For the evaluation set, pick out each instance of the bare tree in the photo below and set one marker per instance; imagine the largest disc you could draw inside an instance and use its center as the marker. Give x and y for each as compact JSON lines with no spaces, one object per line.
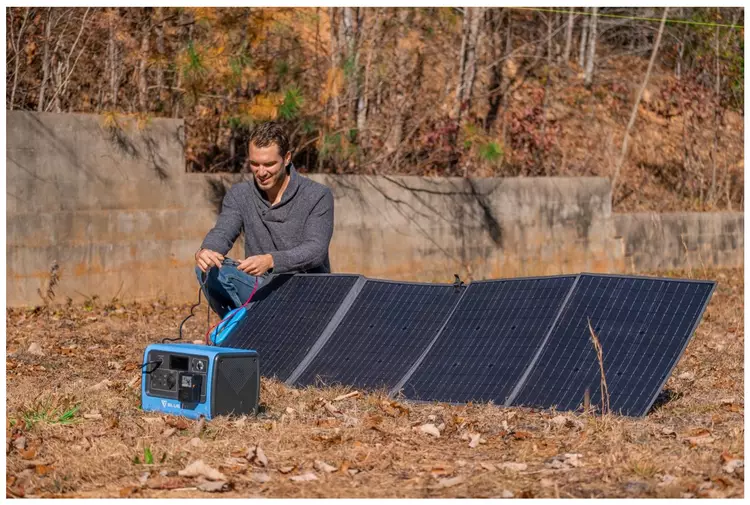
{"x":468,"y":60}
{"x":143,"y":61}
{"x":634,"y":112}
{"x":568,"y":36}
{"x":589,"y":73}
{"x":45,"y":60}
{"x":495,"y":18}
{"x":17,"y":50}
{"x":400,"y":83}
{"x":584,"y":38}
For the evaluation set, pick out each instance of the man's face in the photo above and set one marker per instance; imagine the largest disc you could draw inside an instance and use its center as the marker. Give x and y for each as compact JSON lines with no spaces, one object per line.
{"x":269,"y":168}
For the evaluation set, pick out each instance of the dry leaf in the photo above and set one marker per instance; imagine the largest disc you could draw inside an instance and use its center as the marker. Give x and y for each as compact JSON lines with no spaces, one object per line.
{"x":445,"y":483}
{"x":177,"y":422}
{"x":487,"y":466}
{"x":169,"y":432}
{"x":256,"y":455}
{"x":43,"y":469}
{"x":29,"y":453}
{"x":304,"y":477}
{"x":195,"y":442}
{"x":127,"y":491}
{"x":199,"y":468}
{"x":474,"y":440}
{"x":20,"y":443}
{"x":100,"y":386}
{"x":507,"y":494}
{"x":322,"y":466}
{"x":286,"y":469}
{"x":260,"y":478}
{"x":429,"y":429}
{"x":686,"y":376}
{"x":441,"y":471}
{"x":521,"y":435}
{"x":35,"y":349}
{"x":733,"y":465}
{"x":290,"y":411}
{"x":214,"y":486}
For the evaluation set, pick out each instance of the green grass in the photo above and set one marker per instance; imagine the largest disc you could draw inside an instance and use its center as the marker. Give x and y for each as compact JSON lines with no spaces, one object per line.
{"x":46,"y":413}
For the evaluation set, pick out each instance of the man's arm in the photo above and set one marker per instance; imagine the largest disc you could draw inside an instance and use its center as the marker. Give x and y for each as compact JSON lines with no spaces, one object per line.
{"x":228,"y":227}
{"x":315,"y":240}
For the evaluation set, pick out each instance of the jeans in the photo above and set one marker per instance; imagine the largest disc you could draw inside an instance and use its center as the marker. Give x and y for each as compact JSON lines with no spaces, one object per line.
{"x":227,"y":288}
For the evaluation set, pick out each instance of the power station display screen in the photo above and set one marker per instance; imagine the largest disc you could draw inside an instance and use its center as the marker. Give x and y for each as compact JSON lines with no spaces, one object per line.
{"x":179,"y":362}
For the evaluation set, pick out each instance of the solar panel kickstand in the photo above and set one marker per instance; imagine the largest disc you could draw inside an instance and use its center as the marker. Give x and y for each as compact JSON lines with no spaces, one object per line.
{"x":532,"y":364}
{"x":421,"y":358}
{"x":328,"y":331}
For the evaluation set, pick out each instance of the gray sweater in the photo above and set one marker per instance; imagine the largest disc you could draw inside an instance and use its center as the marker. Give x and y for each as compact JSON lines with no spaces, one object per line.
{"x":296,"y":232}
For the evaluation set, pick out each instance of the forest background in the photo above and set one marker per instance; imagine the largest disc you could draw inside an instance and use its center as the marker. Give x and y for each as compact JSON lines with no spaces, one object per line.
{"x":650,"y":97}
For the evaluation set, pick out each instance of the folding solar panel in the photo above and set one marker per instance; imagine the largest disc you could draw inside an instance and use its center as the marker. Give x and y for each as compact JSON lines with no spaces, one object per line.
{"x":643,"y":326}
{"x":489,"y":340}
{"x":287,"y":317}
{"x":386,"y":329}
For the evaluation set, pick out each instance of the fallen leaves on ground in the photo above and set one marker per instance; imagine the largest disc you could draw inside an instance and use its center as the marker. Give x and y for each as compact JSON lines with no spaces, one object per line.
{"x":199,"y":468}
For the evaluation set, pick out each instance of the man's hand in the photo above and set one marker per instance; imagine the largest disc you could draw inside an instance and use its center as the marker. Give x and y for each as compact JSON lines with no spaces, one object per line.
{"x":256,"y":265}
{"x":206,"y":258}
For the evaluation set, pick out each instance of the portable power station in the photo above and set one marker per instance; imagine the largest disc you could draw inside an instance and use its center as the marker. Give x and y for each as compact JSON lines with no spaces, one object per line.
{"x":198,"y":380}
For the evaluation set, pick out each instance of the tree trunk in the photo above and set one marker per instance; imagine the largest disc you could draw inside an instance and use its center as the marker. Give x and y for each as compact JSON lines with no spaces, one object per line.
{"x":352,"y":31}
{"x":634,"y":112}
{"x":335,"y":62}
{"x":494,"y":95}
{"x":161,"y":93}
{"x":506,"y":86}
{"x":45,"y":60}
{"x":143,"y":63}
{"x":584,"y":37}
{"x":114,"y":79}
{"x":468,"y":60}
{"x":402,"y":60}
{"x":568,"y":36}
{"x":589,"y":74}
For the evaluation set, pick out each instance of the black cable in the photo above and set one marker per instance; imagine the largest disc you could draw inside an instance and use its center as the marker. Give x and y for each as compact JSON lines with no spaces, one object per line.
{"x":157,"y":363}
{"x":200,"y":290}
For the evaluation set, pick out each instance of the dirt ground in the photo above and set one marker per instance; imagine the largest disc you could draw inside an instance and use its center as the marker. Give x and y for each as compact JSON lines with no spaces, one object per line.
{"x":75,"y":429}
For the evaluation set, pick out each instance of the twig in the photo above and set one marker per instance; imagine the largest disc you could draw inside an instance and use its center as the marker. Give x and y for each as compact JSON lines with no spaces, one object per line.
{"x":603,"y":379}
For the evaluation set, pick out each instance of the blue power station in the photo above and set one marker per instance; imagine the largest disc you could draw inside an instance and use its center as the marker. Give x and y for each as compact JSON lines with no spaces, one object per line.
{"x":199,"y":380}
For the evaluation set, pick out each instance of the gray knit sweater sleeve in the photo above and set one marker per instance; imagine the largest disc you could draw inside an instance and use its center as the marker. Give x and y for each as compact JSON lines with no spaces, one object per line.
{"x":228,"y":226}
{"x":313,"y":248}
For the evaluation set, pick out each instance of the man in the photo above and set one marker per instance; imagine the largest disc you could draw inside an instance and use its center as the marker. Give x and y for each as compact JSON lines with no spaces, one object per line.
{"x":287,"y":220}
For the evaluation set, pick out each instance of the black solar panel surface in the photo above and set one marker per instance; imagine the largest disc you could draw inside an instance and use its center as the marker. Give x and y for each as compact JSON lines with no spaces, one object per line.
{"x":643,"y":326}
{"x":489,"y":340}
{"x":289,"y":315}
{"x":382,"y":335}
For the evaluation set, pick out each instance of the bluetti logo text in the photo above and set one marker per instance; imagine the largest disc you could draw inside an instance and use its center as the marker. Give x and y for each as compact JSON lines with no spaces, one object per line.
{"x":165,"y":404}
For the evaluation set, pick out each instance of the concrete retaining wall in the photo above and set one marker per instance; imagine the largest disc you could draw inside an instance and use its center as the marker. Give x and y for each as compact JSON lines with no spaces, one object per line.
{"x":111,"y":204}
{"x":681,"y":240}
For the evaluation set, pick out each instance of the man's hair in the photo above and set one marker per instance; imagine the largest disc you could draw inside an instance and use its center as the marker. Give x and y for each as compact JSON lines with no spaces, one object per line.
{"x":269,"y":133}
